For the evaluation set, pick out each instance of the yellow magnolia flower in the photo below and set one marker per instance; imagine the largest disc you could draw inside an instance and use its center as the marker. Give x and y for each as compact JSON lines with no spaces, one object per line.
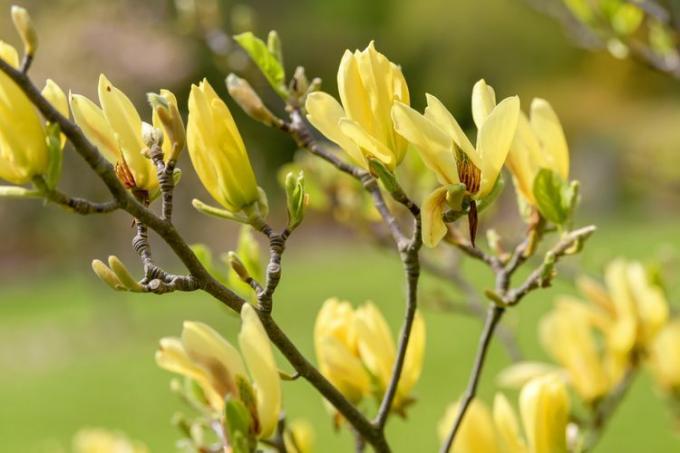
{"x":539,"y":143}
{"x":378,"y":352}
{"x":567,"y":334}
{"x":23,"y":148}
{"x":116,"y":130}
{"x":299,"y":436}
{"x":448,"y":152}
{"x":544,"y":406}
{"x":368,"y":84}
{"x":98,"y":440}
{"x":544,"y":409}
{"x":217,"y":151}
{"x":664,"y":357}
{"x":335,"y":341}
{"x":204,"y":356}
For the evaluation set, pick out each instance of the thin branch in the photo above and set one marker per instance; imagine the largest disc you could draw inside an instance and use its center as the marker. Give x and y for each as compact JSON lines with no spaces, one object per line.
{"x":169,"y":234}
{"x":77,"y":205}
{"x":166,"y":181}
{"x":505,"y":297}
{"x":411,"y":263}
{"x":494,"y":315}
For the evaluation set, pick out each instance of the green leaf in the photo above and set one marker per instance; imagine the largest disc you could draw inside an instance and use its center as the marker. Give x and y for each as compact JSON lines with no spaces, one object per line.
{"x":54,"y":155}
{"x":488,"y":200}
{"x":238,"y":426}
{"x":268,"y":61}
{"x":548,"y":192}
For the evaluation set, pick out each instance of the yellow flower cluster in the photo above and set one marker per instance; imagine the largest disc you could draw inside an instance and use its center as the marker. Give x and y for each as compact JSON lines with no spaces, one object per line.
{"x":375,"y":121}
{"x":356,"y":352}
{"x":544,"y":410}
{"x":204,"y":356}
{"x":623,"y":325}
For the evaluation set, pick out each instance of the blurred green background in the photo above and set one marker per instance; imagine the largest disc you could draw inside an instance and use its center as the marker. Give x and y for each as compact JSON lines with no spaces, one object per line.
{"x":74,"y":354}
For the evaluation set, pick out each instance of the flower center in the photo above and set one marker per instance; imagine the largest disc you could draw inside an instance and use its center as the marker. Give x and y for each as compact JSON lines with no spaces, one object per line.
{"x":468,"y":173}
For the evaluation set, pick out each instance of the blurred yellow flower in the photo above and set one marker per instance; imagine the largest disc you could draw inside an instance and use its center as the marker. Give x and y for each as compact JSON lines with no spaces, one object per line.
{"x":664,"y":357}
{"x":211,"y":361}
{"x":448,"y":152}
{"x":23,"y":148}
{"x":368,"y":84}
{"x":544,"y":409}
{"x":538,"y":143}
{"x":377,"y":350}
{"x":299,"y":436}
{"x":628,"y":314}
{"x":99,"y":440}
{"x":356,"y":351}
{"x":217,"y":151}
{"x":335,"y":341}
{"x":116,"y":130}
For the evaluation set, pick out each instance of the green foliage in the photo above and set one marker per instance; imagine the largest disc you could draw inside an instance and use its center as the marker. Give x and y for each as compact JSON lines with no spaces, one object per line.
{"x":267,"y":59}
{"x":238,"y":426}
{"x":556,"y":199}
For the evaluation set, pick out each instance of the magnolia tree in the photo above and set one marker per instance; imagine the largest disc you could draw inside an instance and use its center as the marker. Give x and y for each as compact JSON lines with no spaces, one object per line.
{"x":407,"y":179}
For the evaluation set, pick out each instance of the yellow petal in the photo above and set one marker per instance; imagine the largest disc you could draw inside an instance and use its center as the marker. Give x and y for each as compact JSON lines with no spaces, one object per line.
{"x":517,"y":375}
{"x":548,"y":129}
{"x":483,"y":102}
{"x":524,"y":159}
{"x":376,"y":346}
{"x":22,"y":130}
{"x":259,"y":357}
{"x":367,"y":142}
{"x":652,"y":307}
{"x":56,"y":96}
{"x":434,"y":146}
{"x":664,"y":357}
{"x":299,"y":437}
{"x":476,"y":433}
{"x":324,"y":113}
{"x":413,"y":361}
{"x":596,"y":294}
{"x":437,"y":113}
{"x":434,"y":228}
{"x":172,"y":357}
{"x":207,"y":347}
{"x":121,"y":114}
{"x":544,"y":406}
{"x":355,"y":100}
{"x":92,"y":121}
{"x":623,"y":335}
{"x":343,"y":369}
{"x":494,"y":139}
{"x":569,"y":338}
{"x":507,"y":425}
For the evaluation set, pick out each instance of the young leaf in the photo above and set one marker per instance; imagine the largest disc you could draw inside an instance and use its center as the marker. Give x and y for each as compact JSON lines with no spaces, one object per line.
{"x":238,"y":426}
{"x":55,"y":155}
{"x":266,"y":60}
{"x":548,"y":189}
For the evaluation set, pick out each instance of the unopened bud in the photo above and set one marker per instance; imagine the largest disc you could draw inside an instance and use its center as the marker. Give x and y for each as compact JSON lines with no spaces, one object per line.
{"x":107,"y":275}
{"x":244,"y":95}
{"x":299,"y":83}
{"x":296,"y":198}
{"x":124,"y":275}
{"x":237,"y":266}
{"x":151,"y":136}
{"x":24,"y":26}
{"x":166,"y":115}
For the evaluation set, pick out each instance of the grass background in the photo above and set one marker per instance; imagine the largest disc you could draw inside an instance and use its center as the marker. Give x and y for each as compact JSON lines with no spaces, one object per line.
{"x":74,"y":354}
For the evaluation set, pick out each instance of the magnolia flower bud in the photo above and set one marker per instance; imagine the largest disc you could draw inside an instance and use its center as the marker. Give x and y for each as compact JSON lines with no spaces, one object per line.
{"x":166,"y":116}
{"x":107,"y":275}
{"x":24,"y":26}
{"x":296,"y":198}
{"x":151,"y":136}
{"x":244,"y":95}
